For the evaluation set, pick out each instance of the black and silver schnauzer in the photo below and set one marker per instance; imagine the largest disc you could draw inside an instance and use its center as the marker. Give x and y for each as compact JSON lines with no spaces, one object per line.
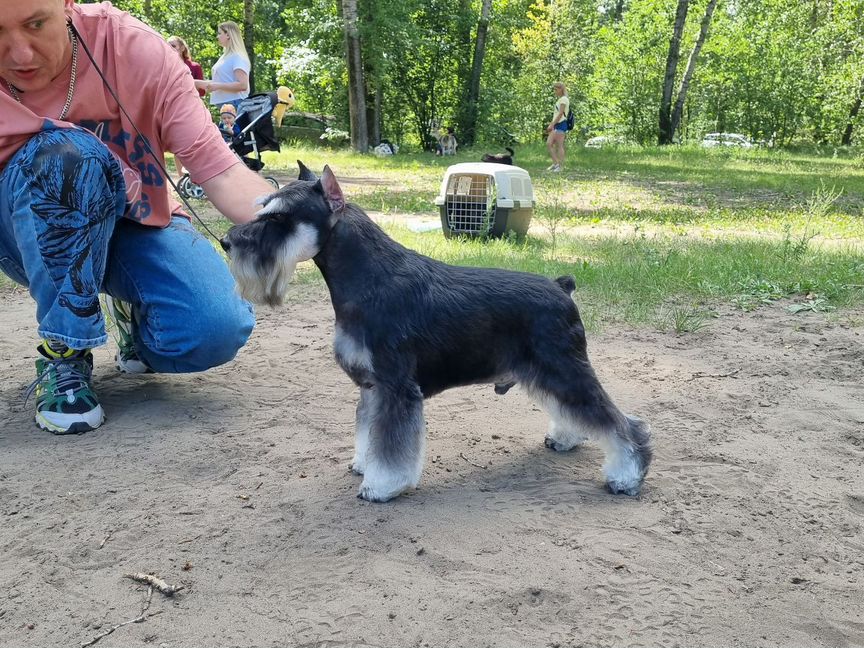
{"x":409,"y":327}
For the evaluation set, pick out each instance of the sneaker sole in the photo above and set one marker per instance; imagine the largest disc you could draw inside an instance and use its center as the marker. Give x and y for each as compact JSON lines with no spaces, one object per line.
{"x":131,"y":366}
{"x":94,"y":420}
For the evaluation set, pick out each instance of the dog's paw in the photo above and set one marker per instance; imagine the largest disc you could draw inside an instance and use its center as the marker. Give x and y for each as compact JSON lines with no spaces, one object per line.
{"x":382,"y":487}
{"x":356,"y":466}
{"x":372,"y":495}
{"x":558,"y":446}
{"x":622,"y":488}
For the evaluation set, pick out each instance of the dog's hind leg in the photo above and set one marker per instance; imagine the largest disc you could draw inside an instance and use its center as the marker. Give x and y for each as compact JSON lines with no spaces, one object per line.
{"x":580,"y":408}
{"x":396,"y":440}
{"x":363,"y":421}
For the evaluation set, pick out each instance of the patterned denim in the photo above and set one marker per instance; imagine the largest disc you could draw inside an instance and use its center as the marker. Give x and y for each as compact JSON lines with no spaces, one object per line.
{"x":61,"y":234}
{"x":59,"y":198}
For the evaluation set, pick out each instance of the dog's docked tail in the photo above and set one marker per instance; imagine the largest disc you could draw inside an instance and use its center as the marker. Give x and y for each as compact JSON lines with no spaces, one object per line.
{"x":567,"y":283}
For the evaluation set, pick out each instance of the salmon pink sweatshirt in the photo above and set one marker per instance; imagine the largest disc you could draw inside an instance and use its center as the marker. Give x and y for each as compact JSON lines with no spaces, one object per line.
{"x":155,"y":88}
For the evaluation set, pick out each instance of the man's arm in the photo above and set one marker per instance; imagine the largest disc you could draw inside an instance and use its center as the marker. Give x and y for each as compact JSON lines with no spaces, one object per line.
{"x":234,"y":192}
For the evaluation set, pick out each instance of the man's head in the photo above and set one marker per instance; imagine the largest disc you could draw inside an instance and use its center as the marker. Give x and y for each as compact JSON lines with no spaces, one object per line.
{"x":34,"y":42}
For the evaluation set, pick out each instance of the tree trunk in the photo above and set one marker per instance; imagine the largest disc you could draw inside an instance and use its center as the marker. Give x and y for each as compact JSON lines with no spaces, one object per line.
{"x":853,"y":113}
{"x":379,"y":115}
{"x":691,"y":66}
{"x":356,"y":83}
{"x":249,"y":39}
{"x":666,"y":132}
{"x":468,"y":127}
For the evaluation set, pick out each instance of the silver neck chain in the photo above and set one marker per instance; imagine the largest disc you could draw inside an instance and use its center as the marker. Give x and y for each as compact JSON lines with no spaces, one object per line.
{"x":72,"y":76}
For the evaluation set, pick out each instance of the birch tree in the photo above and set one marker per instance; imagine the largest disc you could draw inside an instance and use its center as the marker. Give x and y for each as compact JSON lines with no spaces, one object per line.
{"x":666,"y":132}
{"x":691,"y":67}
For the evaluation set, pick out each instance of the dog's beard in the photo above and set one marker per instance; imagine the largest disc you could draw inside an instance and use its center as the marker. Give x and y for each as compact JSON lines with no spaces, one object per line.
{"x":262,"y":286}
{"x":267,"y":283}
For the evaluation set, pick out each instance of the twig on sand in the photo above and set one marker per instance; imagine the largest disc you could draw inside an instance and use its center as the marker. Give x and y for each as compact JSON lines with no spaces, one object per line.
{"x":700,"y":374}
{"x":476,"y":465}
{"x":104,"y":540}
{"x":153,"y":581}
{"x":139,"y":619}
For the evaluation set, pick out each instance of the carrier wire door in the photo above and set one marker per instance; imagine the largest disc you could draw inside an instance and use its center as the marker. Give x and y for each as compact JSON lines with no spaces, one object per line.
{"x":470,"y":202}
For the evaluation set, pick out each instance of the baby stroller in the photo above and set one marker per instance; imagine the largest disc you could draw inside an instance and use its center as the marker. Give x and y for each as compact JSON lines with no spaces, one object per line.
{"x":256,"y":135}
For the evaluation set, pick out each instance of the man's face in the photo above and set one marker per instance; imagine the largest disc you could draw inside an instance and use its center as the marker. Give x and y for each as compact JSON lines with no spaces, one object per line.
{"x":34,"y":45}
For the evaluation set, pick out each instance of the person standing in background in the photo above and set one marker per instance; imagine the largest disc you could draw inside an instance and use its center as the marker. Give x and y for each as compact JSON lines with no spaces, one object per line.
{"x":179,"y":46}
{"x":557,"y":128}
{"x":230,"y":82}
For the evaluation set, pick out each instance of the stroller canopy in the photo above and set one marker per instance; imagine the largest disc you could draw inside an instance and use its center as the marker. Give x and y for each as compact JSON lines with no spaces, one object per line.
{"x":253,"y":116}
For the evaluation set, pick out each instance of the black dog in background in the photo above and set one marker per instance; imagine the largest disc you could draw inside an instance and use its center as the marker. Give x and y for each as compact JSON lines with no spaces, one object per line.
{"x":408,"y":327}
{"x":499,"y":158}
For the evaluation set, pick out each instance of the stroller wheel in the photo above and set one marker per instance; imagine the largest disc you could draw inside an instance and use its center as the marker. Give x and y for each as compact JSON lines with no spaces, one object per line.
{"x":196,"y":191}
{"x":272,"y":181}
{"x":182,"y":186}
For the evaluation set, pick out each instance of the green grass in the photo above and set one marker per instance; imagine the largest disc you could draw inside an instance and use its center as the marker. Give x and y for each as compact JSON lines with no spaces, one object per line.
{"x":646,"y":279}
{"x":662,"y":237}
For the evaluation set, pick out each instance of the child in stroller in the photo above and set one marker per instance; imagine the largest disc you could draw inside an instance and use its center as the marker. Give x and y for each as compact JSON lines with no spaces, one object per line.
{"x":253,"y":133}
{"x":228,"y":122}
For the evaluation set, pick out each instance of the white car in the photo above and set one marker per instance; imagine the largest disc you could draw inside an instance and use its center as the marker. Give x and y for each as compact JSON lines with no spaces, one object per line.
{"x":605,"y":140}
{"x":726,"y":139}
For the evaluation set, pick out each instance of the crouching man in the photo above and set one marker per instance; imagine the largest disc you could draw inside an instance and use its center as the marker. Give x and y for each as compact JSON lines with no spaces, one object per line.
{"x":84,"y":208}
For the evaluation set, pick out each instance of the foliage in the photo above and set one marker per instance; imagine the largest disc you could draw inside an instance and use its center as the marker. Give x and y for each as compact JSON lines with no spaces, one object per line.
{"x":781,"y":72}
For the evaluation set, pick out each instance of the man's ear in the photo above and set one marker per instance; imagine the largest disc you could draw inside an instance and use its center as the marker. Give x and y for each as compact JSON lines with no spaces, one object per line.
{"x":332,"y":191}
{"x":305,"y":173}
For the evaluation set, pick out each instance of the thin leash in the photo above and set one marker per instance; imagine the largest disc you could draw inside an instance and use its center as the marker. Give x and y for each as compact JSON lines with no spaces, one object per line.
{"x":140,"y":135}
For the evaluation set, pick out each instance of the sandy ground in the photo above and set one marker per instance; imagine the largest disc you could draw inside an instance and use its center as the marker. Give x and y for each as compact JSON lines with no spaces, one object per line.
{"x":233,"y":484}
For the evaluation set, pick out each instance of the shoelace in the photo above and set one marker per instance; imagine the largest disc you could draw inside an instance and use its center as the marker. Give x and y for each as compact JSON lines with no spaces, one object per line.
{"x":71,"y":373}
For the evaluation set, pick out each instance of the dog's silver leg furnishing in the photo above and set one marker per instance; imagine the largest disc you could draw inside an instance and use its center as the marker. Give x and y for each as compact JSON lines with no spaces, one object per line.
{"x":363,"y":423}
{"x":397,"y":439}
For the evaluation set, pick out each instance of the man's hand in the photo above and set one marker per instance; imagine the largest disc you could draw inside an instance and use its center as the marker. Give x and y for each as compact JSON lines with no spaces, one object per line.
{"x":234,"y":192}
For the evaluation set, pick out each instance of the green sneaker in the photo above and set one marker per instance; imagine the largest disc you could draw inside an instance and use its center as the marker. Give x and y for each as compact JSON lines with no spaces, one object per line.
{"x":119,"y":313}
{"x":65,"y":402}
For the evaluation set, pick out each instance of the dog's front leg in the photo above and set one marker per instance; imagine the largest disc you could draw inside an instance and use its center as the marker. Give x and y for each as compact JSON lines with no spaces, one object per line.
{"x":363,"y":421}
{"x":396,"y":441}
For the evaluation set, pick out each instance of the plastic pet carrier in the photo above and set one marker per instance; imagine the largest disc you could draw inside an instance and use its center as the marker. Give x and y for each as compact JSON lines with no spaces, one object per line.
{"x":485,"y":200}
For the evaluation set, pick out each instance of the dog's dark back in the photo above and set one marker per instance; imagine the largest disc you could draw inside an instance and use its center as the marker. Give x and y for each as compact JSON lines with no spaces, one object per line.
{"x":499,"y":158}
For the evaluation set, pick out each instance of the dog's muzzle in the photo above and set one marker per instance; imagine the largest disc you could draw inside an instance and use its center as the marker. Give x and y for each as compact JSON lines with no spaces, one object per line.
{"x":225,"y":244}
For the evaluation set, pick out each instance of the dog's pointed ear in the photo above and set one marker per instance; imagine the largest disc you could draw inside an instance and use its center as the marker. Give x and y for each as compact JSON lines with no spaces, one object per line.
{"x":332,"y":191}
{"x":305,"y":173}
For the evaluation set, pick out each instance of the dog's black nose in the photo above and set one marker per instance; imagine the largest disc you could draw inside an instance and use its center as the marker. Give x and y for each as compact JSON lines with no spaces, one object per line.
{"x":225,"y":244}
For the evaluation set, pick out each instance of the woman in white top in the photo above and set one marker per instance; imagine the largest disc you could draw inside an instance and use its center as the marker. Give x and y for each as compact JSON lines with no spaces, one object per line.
{"x":230,"y":82}
{"x":557,"y":128}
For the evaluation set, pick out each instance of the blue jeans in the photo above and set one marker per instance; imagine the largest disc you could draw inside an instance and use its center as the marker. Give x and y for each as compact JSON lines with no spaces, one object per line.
{"x":62,"y":234}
